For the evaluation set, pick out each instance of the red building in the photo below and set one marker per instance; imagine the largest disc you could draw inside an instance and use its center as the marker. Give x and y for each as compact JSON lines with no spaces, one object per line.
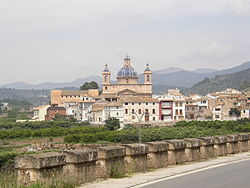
{"x":53,"y":111}
{"x":166,"y":109}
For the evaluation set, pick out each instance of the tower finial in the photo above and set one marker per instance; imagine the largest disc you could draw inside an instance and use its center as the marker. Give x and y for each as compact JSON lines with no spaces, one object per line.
{"x":106,"y":69}
{"x":147,"y":67}
{"x":127,"y":60}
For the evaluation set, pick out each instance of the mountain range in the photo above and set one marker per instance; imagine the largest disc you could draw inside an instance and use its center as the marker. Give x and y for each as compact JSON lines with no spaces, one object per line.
{"x":238,"y":80}
{"x":162,"y":79}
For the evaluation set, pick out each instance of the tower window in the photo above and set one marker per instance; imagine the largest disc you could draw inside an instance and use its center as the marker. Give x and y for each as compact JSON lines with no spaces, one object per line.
{"x":106,"y":88}
{"x":148,"y":78}
{"x":127,"y":81}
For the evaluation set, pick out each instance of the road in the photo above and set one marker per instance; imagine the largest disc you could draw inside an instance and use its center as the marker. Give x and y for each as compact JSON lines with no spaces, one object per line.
{"x":234,"y":175}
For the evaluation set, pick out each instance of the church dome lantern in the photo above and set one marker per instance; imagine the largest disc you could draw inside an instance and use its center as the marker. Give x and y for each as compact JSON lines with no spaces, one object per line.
{"x":127,"y":70}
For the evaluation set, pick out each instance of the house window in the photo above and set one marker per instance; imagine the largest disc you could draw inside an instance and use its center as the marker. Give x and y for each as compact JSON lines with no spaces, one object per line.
{"x":139,"y":103}
{"x":127,"y":81}
{"x":133,"y":103}
{"x":180,"y":104}
{"x":181,"y":113}
{"x":153,"y":111}
{"x":126,"y":111}
{"x":217,"y":109}
{"x":133,"y":111}
{"x":153,"y":103}
{"x":126,"y":103}
{"x":176,"y":112}
{"x":153,"y":118}
{"x":146,"y":110}
{"x":139,"y":111}
{"x":106,"y":88}
{"x":117,"y":114}
{"x":177,"y":104}
{"x":146,"y":103}
{"x":217,"y":116}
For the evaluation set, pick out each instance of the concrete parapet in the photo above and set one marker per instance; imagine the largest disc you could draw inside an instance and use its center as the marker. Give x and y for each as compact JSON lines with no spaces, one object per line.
{"x":220,"y":145}
{"x":110,"y":160}
{"x":192,"y":149}
{"x":44,"y":167}
{"x":232,"y":144}
{"x":81,"y":165}
{"x":136,"y":157}
{"x":207,"y":147}
{"x":176,"y":152}
{"x":243,"y":142}
{"x":157,"y":156}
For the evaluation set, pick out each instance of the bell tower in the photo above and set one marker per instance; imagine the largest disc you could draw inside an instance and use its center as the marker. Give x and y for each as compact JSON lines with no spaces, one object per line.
{"x":147,"y":75}
{"x":106,"y":78}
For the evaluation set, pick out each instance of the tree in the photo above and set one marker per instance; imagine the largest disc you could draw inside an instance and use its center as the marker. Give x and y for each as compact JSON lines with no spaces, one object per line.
{"x":89,"y":85}
{"x":112,"y":123}
{"x":11,"y":114}
{"x":234,"y":112}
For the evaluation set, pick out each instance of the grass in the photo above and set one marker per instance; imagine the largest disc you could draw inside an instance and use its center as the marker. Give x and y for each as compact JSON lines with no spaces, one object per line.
{"x":8,"y":179}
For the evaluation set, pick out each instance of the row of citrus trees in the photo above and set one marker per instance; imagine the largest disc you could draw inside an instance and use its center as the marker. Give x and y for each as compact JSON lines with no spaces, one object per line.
{"x":147,"y":134}
{"x":39,"y":124}
{"x":93,"y":134}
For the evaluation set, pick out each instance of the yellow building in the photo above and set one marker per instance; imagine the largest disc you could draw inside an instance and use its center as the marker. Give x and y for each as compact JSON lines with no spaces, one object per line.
{"x":127,"y":82}
{"x":61,"y":97}
{"x":40,"y":112}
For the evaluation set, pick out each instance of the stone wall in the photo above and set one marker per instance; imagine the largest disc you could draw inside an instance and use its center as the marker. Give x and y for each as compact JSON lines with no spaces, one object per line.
{"x":86,"y":165}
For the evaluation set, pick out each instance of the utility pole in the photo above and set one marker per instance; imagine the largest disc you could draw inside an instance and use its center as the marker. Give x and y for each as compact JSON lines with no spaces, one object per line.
{"x":139,"y":126}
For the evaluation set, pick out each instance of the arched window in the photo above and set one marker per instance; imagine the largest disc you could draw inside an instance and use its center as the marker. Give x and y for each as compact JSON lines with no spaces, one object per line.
{"x":148,"y":78}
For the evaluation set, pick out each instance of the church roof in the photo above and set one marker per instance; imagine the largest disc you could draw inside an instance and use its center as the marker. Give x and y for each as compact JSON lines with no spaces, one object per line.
{"x":127,"y":71}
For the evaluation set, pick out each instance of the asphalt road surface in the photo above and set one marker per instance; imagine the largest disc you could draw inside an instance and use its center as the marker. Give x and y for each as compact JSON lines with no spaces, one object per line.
{"x":235,"y":175}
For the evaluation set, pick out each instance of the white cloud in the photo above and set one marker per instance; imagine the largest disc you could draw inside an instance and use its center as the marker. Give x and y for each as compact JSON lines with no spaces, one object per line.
{"x":239,"y":7}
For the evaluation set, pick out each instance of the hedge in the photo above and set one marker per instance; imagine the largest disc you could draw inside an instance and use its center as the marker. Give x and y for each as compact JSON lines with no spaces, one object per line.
{"x":40,"y":124}
{"x":147,"y":134}
{"x":47,"y":132}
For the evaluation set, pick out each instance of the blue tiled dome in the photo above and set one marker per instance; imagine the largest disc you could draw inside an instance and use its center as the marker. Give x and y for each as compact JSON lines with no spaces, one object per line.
{"x":127,"y":71}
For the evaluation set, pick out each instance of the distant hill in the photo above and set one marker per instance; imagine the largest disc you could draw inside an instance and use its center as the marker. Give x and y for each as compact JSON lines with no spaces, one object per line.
{"x":165,"y":78}
{"x":50,"y":85}
{"x":239,"y":80}
{"x":36,"y":97}
{"x":205,"y":70}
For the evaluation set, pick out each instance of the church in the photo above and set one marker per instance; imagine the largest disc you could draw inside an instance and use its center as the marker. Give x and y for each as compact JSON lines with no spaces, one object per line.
{"x":127,"y":84}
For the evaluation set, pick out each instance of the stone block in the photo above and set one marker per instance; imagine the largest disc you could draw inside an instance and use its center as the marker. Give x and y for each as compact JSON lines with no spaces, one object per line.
{"x":232,"y":144}
{"x":158,"y":154}
{"x":207,"y":148}
{"x":44,"y":167}
{"x":192,"y":149}
{"x":220,"y":146}
{"x":111,"y":152}
{"x":136,"y":157}
{"x":176,"y":152}
{"x":81,"y":165}
{"x":41,"y":160}
{"x":110,"y":160}
{"x":243,"y":142}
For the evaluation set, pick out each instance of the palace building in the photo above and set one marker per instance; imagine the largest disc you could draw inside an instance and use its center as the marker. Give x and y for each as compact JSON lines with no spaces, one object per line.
{"x":127,"y":83}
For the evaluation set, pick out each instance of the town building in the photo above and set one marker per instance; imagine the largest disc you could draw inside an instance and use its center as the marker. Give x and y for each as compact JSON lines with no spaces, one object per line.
{"x":40,"y":112}
{"x":171,"y":106}
{"x":53,"y":111}
{"x":61,"y":97}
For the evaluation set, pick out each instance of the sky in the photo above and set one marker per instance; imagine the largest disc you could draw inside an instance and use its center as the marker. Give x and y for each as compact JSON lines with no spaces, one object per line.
{"x":62,"y":40}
